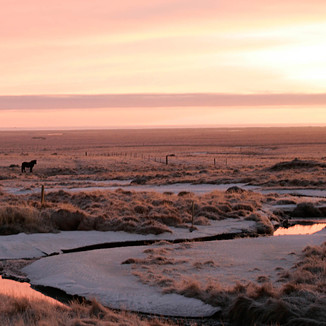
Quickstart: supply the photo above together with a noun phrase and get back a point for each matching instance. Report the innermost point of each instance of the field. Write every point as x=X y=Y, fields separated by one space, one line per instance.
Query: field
x=158 y=183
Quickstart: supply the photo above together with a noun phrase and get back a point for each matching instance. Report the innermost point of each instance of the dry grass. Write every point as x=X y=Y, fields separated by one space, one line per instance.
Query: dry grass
x=130 y=211
x=255 y=156
x=260 y=156
x=24 y=218
x=21 y=311
x=297 y=299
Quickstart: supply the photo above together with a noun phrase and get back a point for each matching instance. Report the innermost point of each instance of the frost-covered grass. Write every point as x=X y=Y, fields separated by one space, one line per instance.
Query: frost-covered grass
x=71 y=158
x=255 y=156
x=145 y=212
x=131 y=211
x=297 y=298
x=260 y=156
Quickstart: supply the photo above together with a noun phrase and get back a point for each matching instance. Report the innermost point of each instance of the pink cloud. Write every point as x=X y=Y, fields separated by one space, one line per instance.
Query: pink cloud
x=157 y=100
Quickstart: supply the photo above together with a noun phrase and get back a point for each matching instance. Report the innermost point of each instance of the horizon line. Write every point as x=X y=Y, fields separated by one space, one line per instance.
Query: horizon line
x=228 y=126
x=154 y=100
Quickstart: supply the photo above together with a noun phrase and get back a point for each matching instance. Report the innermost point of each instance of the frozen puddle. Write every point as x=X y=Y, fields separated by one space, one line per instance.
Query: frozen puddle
x=28 y=187
x=198 y=189
x=43 y=244
x=111 y=283
x=102 y=275
x=296 y=192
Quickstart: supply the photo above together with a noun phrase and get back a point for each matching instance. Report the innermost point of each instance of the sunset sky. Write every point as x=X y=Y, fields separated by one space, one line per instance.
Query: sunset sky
x=137 y=63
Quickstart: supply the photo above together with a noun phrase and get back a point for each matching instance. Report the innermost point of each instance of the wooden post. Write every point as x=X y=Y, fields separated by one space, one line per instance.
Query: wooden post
x=192 y=213
x=42 y=195
x=166 y=158
x=192 y=216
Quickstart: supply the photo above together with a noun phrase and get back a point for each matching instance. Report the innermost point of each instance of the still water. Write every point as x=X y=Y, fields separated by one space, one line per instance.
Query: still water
x=300 y=229
x=22 y=290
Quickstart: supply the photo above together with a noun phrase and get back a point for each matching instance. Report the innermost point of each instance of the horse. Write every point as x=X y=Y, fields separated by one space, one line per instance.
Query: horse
x=29 y=165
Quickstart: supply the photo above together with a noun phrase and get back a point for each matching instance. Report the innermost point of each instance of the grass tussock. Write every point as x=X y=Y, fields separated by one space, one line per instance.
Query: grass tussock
x=263 y=223
x=27 y=219
x=298 y=299
x=26 y=312
x=307 y=210
x=134 y=212
x=297 y=164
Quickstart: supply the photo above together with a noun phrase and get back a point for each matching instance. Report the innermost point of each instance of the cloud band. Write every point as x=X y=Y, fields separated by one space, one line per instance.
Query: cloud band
x=157 y=100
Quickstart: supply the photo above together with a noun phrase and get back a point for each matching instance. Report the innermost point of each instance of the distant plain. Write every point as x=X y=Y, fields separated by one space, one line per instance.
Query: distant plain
x=91 y=177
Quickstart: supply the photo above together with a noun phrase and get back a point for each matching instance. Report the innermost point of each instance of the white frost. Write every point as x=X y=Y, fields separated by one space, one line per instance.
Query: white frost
x=100 y=273
x=42 y=244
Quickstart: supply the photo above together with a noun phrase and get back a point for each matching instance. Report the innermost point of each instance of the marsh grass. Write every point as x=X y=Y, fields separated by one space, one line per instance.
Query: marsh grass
x=252 y=156
x=298 y=298
x=24 y=218
x=130 y=211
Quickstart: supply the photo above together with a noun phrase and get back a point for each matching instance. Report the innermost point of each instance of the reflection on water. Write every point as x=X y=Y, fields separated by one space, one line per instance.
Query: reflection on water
x=18 y=290
x=300 y=229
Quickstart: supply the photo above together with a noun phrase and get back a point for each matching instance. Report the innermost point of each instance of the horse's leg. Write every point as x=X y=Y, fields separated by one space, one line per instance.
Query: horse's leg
x=23 y=168
x=31 y=168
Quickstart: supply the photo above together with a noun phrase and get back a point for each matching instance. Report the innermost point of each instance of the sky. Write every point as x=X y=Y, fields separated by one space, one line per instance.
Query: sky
x=137 y=63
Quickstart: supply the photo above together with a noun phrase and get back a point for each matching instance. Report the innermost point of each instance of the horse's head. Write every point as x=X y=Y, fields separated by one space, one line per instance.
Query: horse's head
x=33 y=162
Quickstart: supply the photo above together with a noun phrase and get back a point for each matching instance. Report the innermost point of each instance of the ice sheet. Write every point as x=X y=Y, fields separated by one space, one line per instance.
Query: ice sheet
x=100 y=273
x=42 y=244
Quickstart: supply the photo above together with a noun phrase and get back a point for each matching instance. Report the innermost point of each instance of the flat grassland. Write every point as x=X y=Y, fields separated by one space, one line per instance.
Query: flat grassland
x=201 y=155
x=269 y=158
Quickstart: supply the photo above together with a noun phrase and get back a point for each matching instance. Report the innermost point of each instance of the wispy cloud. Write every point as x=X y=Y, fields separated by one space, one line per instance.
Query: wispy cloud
x=157 y=100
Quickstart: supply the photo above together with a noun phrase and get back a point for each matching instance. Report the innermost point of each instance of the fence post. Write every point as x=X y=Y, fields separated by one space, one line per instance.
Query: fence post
x=192 y=228
x=42 y=195
x=167 y=159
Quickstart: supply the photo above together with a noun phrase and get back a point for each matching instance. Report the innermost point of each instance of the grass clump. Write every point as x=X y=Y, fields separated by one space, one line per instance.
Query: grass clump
x=297 y=299
x=133 y=212
x=21 y=311
x=28 y=219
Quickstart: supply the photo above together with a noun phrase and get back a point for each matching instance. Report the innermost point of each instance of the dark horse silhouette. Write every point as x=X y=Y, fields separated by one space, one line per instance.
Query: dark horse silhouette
x=29 y=165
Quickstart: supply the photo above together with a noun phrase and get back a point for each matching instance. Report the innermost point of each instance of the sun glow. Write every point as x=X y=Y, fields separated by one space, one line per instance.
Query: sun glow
x=99 y=47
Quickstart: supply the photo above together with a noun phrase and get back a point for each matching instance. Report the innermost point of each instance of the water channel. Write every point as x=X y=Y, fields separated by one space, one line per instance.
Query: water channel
x=16 y=289
x=27 y=187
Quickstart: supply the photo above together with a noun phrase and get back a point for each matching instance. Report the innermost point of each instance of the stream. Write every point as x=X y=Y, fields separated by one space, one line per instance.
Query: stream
x=29 y=187
x=10 y=287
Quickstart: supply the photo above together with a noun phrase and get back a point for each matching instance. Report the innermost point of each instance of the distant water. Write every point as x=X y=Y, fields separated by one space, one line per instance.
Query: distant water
x=300 y=229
